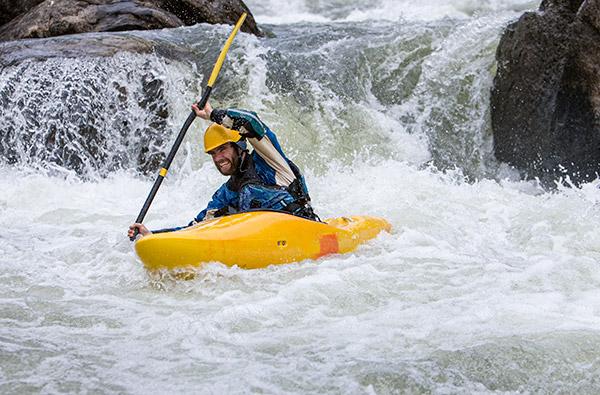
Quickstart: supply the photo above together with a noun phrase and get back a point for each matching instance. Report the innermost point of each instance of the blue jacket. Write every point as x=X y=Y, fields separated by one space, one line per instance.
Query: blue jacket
x=272 y=191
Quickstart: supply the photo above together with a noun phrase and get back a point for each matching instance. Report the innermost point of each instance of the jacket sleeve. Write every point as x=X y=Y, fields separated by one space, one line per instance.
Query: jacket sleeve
x=221 y=198
x=268 y=149
x=245 y=122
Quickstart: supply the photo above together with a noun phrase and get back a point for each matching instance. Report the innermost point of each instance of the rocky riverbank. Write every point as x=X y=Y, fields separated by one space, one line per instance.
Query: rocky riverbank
x=546 y=96
x=49 y=18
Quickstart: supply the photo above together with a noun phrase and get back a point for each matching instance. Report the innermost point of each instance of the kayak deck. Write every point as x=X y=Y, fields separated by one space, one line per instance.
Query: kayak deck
x=256 y=239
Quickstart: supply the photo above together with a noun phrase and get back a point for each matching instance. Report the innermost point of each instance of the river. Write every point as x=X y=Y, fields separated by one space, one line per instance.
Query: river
x=487 y=283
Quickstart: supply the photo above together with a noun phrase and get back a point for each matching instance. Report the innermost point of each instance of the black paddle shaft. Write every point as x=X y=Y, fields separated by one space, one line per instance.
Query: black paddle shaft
x=169 y=160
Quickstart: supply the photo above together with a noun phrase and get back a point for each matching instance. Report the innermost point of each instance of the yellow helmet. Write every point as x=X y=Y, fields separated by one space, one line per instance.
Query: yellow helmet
x=217 y=135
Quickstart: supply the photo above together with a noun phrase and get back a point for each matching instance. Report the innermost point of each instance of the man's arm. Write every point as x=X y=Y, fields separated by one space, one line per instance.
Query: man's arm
x=245 y=122
x=222 y=198
x=264 y=141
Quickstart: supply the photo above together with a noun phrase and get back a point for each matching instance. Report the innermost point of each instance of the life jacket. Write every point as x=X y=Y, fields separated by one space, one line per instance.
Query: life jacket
x=245 y=174
x=295 y=200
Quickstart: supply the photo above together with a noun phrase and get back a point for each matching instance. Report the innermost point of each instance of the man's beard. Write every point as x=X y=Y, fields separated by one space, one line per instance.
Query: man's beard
x=234 y=166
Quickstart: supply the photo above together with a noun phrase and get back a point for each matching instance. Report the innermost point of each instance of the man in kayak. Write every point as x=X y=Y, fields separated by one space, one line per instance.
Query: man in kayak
x=263 y=179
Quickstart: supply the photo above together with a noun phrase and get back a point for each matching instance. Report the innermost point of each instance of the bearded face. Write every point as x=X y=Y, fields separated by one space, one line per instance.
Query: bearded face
x=226 y=158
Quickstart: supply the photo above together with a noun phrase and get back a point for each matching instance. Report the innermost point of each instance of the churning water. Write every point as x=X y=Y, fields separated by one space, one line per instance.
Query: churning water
x=486 y=284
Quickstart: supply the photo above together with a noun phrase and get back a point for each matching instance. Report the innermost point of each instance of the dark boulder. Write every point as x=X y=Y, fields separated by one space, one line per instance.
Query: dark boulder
x=546 y=95
x=9 y=9
x=59 y=17
x=210 y=11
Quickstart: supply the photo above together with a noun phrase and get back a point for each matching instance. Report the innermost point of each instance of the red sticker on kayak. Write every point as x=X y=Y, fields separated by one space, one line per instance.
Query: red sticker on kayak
x=329 y=245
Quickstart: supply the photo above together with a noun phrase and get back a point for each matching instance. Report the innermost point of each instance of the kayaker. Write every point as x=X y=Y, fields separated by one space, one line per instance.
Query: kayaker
x=263 y=179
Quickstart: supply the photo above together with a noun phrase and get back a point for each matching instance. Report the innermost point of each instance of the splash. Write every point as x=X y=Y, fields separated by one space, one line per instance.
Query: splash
x=297 y=11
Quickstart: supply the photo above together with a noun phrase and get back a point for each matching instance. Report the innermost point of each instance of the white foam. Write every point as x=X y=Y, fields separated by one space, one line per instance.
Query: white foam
x=294 y=11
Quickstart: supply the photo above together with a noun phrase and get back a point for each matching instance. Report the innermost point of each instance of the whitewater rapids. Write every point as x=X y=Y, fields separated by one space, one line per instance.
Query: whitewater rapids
x=487 y=284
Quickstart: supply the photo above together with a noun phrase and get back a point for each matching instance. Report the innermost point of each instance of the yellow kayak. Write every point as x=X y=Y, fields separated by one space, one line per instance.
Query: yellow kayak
x=256 y=239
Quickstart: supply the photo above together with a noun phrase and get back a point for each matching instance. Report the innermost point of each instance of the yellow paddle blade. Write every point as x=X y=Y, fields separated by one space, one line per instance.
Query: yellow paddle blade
x=221 y=59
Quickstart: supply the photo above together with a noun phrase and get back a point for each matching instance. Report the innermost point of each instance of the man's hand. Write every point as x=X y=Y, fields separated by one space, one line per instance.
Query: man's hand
x=141 y=229
x=204 y=113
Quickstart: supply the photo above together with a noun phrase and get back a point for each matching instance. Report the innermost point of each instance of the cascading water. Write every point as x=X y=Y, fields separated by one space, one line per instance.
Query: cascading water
x=486 y=284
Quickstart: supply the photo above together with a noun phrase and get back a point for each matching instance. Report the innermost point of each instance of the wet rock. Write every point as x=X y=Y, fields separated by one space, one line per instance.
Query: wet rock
x=211 y=11
x=59 y=17
x=546 y=95
x=15 y=52
x=9 y=9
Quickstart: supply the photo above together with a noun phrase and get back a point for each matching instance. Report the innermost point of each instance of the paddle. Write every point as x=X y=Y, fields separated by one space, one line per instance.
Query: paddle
x=165 y=167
